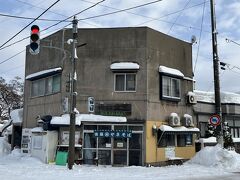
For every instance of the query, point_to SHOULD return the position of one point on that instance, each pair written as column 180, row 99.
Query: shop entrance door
column 120, row 151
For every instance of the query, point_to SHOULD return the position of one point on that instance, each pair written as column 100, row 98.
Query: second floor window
column 46, row 86
column 170, row 87
column 125, row 82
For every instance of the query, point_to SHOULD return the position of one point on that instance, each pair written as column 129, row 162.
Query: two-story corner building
column 140, row 81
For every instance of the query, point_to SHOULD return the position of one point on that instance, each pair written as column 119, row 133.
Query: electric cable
column 85, row 18
column 178, row 16
column 4, row 72
column 28, row 18
column 12, row 57
column 121, row 10
column 32, row 5
column 200, row 37
column 29, row 23
column 169, row 14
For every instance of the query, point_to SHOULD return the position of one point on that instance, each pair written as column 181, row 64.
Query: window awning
column 170, row 71
column 43, row 73
column 120, row 66
column 181, row 129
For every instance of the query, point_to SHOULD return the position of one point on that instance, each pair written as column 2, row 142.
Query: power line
column 73, row 15
column 29, row 4
column 179, row 16
column 12, row 57
column 229, row 40
column 28, row 18
column 29, row 24
column 153, row 19
column 121, row 10
column 12, row 69
column 169, row 14
column 200, row 37
column 84, row 18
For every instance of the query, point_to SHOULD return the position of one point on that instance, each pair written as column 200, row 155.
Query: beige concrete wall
column 155, row 154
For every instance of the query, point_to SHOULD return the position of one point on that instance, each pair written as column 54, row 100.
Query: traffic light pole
column 218, row 107
column 73, row 81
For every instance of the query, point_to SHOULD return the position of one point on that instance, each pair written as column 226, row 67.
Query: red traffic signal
column 34, row 40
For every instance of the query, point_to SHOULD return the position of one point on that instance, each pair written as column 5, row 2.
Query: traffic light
column 91, row 104
column 34, row 40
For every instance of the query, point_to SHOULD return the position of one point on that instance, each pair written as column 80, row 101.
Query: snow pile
column 17, row 116
column 215, row 156
column 5, row 148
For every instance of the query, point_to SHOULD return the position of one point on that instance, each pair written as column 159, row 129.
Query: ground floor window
column 113, row 144
column 174, row 139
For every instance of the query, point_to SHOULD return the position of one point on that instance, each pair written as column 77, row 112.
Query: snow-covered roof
column 37, row 129
column 17, row 116
column 170, row 71
column 226, row 97
column 208, row 140
column 65, row 119
column 166, row 128
column 43, row 73
column 124, row 65
column 236, row 140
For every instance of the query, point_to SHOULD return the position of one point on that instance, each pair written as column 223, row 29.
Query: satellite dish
column 193, row 39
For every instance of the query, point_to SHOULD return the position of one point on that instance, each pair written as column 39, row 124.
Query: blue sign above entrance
column 111, row 133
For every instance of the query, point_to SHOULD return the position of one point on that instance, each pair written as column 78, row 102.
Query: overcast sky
column 177, row 18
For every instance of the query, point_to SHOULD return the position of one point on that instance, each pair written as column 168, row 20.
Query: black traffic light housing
column 34, row 46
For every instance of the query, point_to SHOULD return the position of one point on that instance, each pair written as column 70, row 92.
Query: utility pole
column 218, row 107
column 71, row 149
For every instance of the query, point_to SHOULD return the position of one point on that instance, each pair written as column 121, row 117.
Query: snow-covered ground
column 210, row 163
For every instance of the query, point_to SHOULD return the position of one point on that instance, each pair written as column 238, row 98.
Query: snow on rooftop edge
column 172, row 71
column 124, row 65
column 178, row 129
column 226, row 97
column 65, row 119
column 42, row 73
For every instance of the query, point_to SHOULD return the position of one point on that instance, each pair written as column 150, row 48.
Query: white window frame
column 125, row 82
column 171, row 86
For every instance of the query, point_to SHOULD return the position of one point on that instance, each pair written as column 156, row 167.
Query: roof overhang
column 180, row 130
column 64, row 120
column 44, row 73
column 170, row 71
column 125, row 66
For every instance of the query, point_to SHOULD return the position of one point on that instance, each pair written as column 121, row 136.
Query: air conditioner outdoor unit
column 174, row 120
column 191, row 98
column 188, row 120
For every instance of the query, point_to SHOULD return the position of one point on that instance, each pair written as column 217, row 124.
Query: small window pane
column 34, row 88
column 41, row 87
column 90, row 140
column 188, row 139
column 130, row 82
column 49, row 85
column 166, row 86
column 119, row 82
column 104, row 142
column 170, row 140
column 175, row 88
column 56, row 84
column 181, row 140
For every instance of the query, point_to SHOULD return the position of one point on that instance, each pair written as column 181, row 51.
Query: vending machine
column 26, row 142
